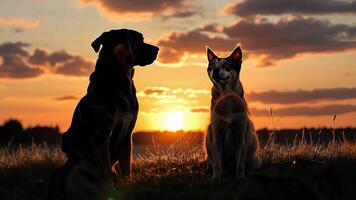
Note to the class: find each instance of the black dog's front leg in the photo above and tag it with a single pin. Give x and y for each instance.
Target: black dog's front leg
(125, 156)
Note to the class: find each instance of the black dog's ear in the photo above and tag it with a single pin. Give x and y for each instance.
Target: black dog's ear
(236, 55)
(210, 54)
(99, 41)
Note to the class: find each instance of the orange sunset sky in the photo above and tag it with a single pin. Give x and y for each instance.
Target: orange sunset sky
(299, 58)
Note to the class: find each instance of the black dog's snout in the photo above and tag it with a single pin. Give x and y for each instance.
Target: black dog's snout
(155, 49)
(147, 55)
(152, 49)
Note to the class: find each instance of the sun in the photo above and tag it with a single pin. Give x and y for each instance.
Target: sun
(174, 121)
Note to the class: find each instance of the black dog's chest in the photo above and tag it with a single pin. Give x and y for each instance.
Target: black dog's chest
(125, 111)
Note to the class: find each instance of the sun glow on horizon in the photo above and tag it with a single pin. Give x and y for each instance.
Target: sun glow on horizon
(174, 121)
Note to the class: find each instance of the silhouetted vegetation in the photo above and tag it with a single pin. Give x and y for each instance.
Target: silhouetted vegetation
(322, 136)
(13, 134)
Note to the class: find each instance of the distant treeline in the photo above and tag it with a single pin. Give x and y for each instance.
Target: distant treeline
(12, 133)
(283, 137)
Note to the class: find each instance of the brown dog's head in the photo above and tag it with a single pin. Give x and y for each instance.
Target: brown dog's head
(126, 46)
(225, 71)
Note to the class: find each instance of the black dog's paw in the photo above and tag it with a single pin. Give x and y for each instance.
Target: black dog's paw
(215, 180)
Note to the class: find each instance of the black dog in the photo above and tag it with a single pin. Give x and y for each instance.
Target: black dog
(100, 133)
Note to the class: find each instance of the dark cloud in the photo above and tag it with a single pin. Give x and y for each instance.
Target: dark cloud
(60, 56)
(290, 37)
(14, 61)
(17, 62)
(138, 5)
(271, 42)
(301, 96)
(200, 110)
(13, 66)
(62, 62)
(66, 98)
(177, 44)
(41, 57)
(167, 9)
(76, 66)
(278, 7)
(184, 14)
(170, 55)
(180, 14)
(14, 48)
(328, 110)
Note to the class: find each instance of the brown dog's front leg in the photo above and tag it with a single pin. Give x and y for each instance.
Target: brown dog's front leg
(125, 157)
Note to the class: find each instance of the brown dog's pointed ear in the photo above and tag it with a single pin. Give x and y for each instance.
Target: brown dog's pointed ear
(210, 54)
(99, 41)
(236, 55)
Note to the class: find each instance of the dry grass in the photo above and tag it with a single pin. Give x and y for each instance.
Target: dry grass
(186, 150)
(332, 151)
(32, 155)
(177, 171)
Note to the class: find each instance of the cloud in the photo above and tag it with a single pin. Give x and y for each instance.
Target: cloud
(213, 28)
(301, 96)
(156, 90)
(141, 9)
(193, 93)
(178, 96)
(162, 92)
(66, 98)
(278, 7)
(14, 66)
(19, 23)
(14, 48)
(41, 57)
(176, 44)
(292, 36)
(181, 14)
(18, 62)
(77, 66)
(200, 110)
(269, 41)
(328, 110)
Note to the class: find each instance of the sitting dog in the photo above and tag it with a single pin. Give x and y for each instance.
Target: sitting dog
(231, 143)
(100, 133)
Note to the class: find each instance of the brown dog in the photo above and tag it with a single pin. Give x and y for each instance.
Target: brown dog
(100, 133)
(231, 142)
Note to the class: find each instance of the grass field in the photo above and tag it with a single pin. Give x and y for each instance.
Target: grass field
(302, 170)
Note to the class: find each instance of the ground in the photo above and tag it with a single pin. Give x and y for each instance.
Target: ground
(300, 171)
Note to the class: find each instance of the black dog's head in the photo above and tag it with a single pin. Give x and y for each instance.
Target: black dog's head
(225, 71)
(126, 46)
